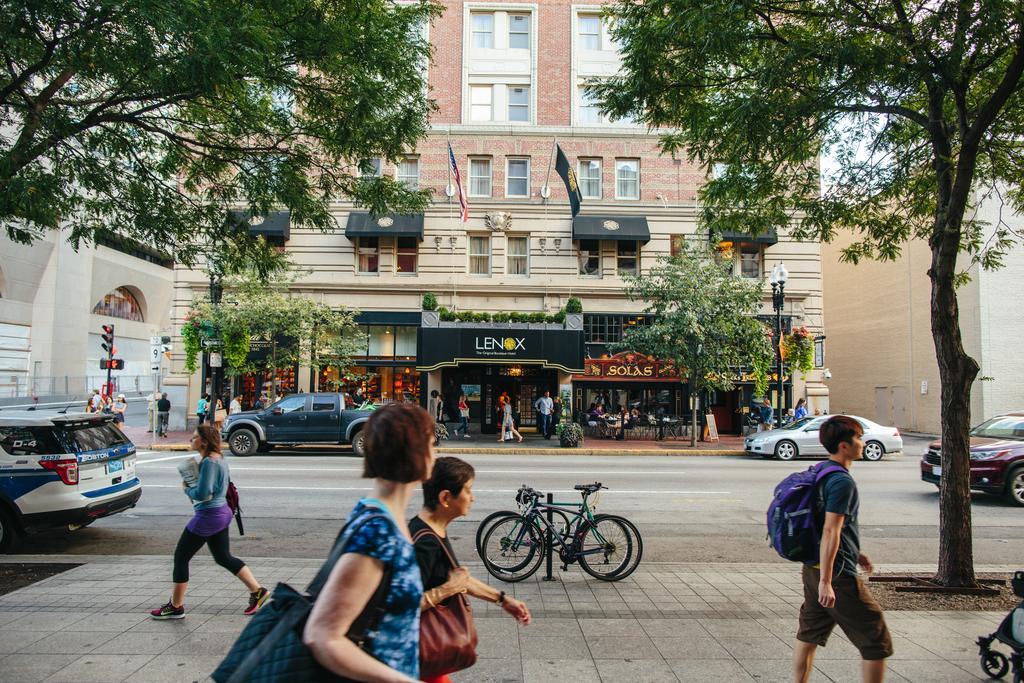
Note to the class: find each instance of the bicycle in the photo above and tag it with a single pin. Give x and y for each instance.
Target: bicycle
(608, 547)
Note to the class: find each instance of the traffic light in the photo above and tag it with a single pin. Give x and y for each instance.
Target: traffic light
(111, 363)
(108, 340)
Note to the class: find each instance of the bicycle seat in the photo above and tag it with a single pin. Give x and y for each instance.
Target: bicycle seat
(589, 488)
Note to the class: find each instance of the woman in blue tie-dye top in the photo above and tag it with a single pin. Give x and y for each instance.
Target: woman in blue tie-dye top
(399, 455)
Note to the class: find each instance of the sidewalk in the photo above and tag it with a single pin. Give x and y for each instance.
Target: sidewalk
(487, 444)
(667, 622)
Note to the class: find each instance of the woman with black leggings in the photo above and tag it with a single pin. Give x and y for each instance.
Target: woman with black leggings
(209, 526)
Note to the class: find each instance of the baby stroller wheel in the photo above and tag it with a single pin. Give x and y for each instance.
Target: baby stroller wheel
(995, 664)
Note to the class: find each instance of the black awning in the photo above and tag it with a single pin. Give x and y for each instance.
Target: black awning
(622, 228)
(362, 224)
(276, 226)
(767, 238)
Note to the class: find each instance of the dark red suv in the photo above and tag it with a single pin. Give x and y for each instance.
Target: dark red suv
(997, 458)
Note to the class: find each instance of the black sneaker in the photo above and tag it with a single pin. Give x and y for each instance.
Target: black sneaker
(168, 611)
(256, 601)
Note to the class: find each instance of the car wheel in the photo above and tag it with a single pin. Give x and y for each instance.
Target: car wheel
(873, 451)
(8, 530)
(1015, 486)
(786, 450)
(359, 443)
(243, 442)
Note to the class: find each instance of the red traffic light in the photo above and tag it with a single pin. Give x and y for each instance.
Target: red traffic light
(111, 363)
(108, 340)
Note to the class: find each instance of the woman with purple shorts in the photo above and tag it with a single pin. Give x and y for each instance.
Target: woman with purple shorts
(209, 526)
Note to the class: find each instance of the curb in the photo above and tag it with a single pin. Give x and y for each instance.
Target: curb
(672, 452)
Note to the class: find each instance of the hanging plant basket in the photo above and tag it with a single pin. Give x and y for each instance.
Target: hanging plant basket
(798, 350)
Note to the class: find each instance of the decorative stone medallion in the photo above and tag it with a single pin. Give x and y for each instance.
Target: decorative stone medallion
(610, 225)
(498, 221)
(385, 221)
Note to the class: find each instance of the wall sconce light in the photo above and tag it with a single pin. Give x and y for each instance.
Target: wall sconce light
(437, 242)
(543, 244)
(452, 241)
(558, 244)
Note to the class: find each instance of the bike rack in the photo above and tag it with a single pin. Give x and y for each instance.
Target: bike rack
(549, 545)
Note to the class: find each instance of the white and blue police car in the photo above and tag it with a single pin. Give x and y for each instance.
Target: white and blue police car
(62, 471)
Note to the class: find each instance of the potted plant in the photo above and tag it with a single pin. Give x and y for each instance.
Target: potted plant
(570, 434)
(798, 349)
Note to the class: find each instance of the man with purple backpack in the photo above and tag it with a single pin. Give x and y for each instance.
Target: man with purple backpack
(833, 591)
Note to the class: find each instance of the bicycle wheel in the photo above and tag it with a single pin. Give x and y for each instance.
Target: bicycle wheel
(610, 548)
(486, 524)
(513, 549)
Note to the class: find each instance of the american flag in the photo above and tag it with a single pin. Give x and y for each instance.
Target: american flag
(464, 213)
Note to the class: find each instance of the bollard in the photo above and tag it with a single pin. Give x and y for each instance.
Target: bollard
(550, 544)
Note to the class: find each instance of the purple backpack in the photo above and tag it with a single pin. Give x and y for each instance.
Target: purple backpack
(792, 526)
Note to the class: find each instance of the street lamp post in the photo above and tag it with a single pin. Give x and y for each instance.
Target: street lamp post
(216, 290)
(778, 282)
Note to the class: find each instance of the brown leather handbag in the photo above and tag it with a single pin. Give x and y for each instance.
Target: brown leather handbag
(447, 632)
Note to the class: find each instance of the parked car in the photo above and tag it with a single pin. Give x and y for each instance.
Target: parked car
(997, 458)
(800, 438)
(62, 471)
(294, 420)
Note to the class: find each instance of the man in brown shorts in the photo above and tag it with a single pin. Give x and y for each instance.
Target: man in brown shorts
(833, 591)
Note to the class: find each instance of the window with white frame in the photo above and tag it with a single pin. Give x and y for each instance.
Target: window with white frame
(479, 177)
(590, 112)
(590, 178)
(368, 254)
(517, 178)
(589, 31)
(409, 172)
(518, 103)
(479, 254)
(627, 179)
(481, 98)
(628, 258)
(750, 256)
(375, 167)
(518, 255)
(483, 29)
(519, 31)
(407, 252)
(590, 257)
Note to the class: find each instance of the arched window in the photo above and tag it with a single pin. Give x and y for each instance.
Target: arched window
(119, 303)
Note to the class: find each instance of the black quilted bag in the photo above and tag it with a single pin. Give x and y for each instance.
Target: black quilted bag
(270, 648)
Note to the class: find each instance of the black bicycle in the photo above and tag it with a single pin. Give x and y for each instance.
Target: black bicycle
(513, 545)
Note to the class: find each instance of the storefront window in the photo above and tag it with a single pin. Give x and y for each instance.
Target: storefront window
(380, 384)
(405, 343)
(382, 342)
(590, 257)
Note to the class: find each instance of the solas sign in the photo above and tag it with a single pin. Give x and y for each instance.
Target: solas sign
(500, 346)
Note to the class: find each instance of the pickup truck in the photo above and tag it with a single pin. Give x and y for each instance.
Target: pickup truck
(296, 419)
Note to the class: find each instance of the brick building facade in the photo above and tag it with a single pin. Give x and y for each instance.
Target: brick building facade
(509, 80)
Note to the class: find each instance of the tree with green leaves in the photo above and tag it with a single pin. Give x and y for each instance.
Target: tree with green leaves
(703, 322)
(919, 105)
(151, 119)
(298, 329)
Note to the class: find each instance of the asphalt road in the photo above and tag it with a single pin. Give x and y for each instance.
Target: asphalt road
(692, 509)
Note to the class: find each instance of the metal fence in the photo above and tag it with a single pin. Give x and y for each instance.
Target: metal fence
(43, 388)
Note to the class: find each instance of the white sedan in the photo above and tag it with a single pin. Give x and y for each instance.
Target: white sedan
(800, 438)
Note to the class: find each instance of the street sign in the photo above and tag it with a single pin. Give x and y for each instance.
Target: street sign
(155, 341)
(211, 343)
(215, 360)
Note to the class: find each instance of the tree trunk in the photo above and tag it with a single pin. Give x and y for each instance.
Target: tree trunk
(957, 371)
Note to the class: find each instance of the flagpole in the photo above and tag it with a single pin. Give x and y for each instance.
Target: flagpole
(547, 178)
(451, 224)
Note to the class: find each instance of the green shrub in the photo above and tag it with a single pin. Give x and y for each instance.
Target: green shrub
(570, 434)
(573, 305)
(429, 302)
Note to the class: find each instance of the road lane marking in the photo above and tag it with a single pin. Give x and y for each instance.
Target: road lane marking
(300, 470)
(169, 457)
(368, 488)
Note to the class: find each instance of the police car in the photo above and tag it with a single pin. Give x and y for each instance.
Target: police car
(62, 471)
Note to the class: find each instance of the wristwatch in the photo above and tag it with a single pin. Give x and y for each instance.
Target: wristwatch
(501, 598)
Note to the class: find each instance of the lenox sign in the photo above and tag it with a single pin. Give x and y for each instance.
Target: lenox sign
(500, 345)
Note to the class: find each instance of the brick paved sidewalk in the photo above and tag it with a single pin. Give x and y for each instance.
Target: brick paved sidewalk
(667, 622)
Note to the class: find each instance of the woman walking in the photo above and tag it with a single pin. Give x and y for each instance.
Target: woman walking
(464, 416)
(399, 455)
(120, 408)
(448, 495)
(508, 423)
(801, 410)
(202, 407)
(209, 526)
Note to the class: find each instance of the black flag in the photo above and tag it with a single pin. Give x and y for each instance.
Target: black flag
(564, 170)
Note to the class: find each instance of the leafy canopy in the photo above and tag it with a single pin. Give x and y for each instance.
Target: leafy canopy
(916, 102)
(704, 319)
(151, 118)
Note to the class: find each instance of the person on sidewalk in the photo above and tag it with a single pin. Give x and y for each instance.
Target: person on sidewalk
(163, 414)
(833, 591)
(463, 416)
(151, 411)
(545, 407)
(508, 423)
(801, 409)
(209, 526)
(448, 495)
(120, 408)
(202, 407)
(399, 456)
(235, 406)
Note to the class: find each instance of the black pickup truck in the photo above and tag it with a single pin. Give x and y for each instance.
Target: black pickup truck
(296, 419)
